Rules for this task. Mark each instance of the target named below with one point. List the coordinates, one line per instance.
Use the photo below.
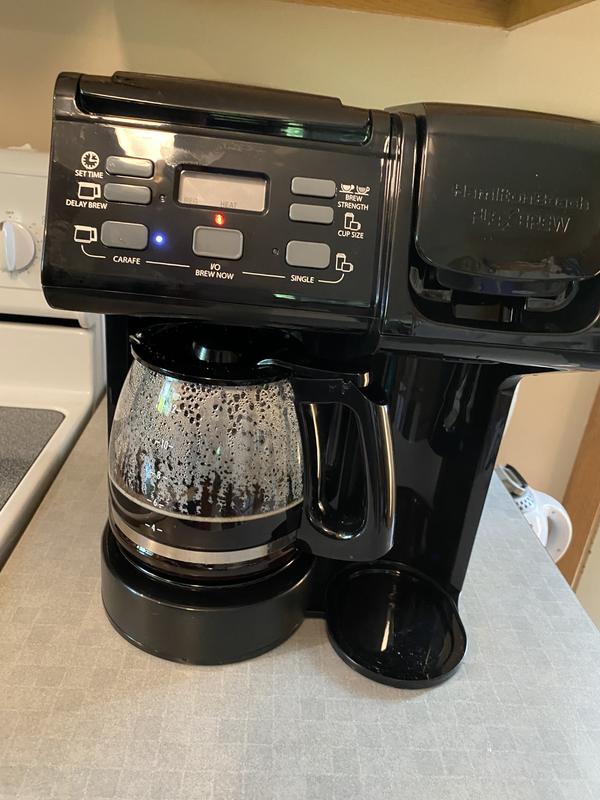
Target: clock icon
(90, 160)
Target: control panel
(140, 215)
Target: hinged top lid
(506, 194)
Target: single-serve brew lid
(507, 194)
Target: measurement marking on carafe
(169, 264)
(91, 255)
(263, 274)
(153, 527)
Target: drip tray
(395, 625)
(24, 433)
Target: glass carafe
(209, 465)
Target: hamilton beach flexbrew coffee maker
(317, 316)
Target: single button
(126, 235)
(313, 187)
(125, 193)
(218, 242)
(323, 215)
(131, 167)
(314, 255)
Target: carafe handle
(373, 538)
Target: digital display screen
(221, 190)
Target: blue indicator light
(159, 238)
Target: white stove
(51, 362)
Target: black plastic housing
(479, 235)
(194, 125)
(465, 252)
(507, 199)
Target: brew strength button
(130, 167)
(125, 235)
(321, 215)
(313, 187)
(313, 255)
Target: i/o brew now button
(218, 242)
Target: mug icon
(341, 264)
(350, 223)
(84, 234)
(88, 191)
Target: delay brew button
(131, 167)
(313, 187)
(314, 255)
(125, 193)
(218, 242)
(322, 215)
(126, 235)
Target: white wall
(545, 430)
(367, 59)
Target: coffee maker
(316, 319)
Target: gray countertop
(86, 715)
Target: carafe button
(126, 235)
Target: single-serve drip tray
(395, 625)
(24, 432)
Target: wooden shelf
(505, 14)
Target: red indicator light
(219, 219)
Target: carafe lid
(193, 352)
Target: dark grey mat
(23, 434)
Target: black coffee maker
(316, 319)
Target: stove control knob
(17, 247)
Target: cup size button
(130, 167)
(126, 193)
(125, 235)
(313, 187)
(301, 212)
(314, 255)
(218, 242)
